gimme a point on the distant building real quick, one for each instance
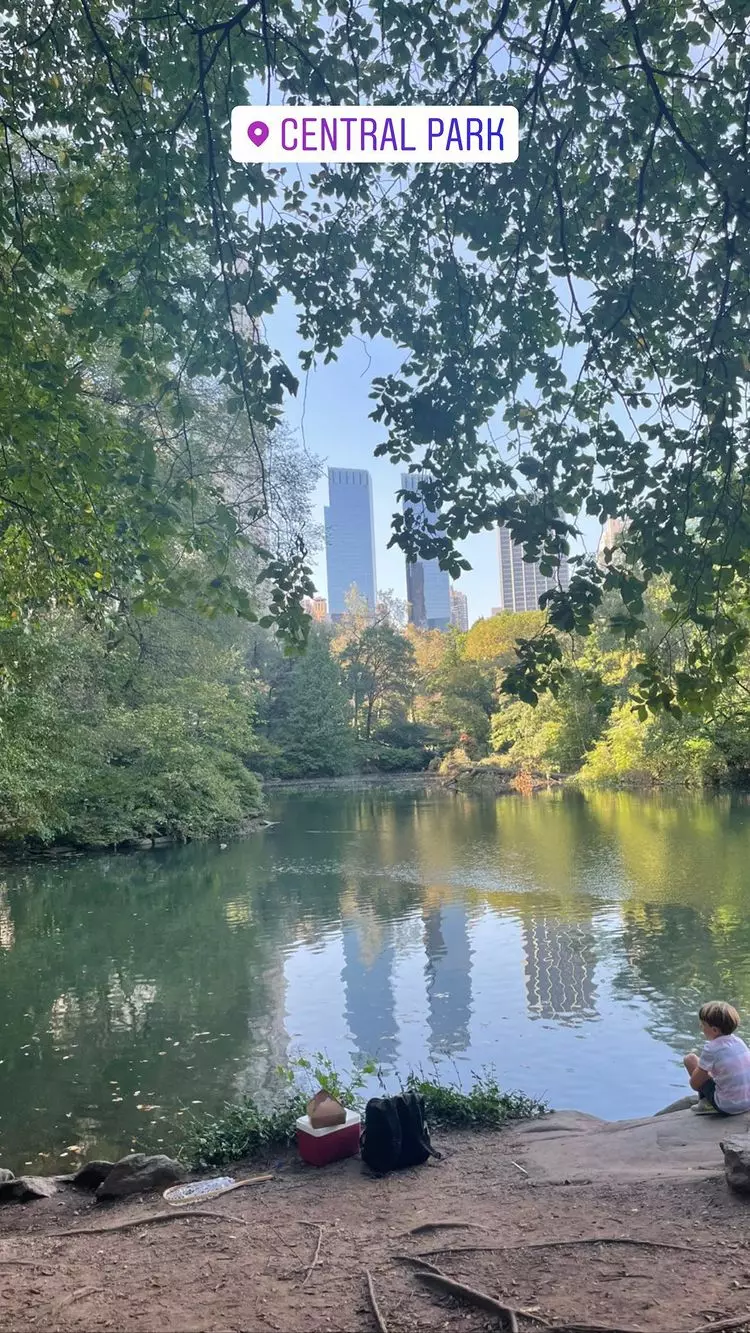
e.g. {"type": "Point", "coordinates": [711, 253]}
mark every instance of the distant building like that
{"type": "Point", "coordinates": [522, 582]}
{"type": "Point", "coordinates": [350, 538]}
{"type": "Point", "coordinates": [459, 610]}
{"type": "Point", "coordinates": [317, 607]}
{"type": "Point", "coordinates": [428, 586]}
{"type": "Point", "coordinates": [610, 539]}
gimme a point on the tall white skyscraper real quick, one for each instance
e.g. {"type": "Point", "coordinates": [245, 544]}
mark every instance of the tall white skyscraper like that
{"type": "Point", "coordinates": [459, 610]}
{"type": "Point", "coordinates": [521, 583]}
{"type": "Point", "coordinates": [350, 538]}
{"type": "Point", "coordinates": [428, 587]}
{"type": "Point", "coordinates": [611, 537]}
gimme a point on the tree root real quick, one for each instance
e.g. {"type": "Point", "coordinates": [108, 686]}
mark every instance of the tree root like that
{"type": "Point", "coordinates": [441, 1282]}
{"type": "Point", "coordinates": [80, 1294]}
{"type": "Point", "coordinates": [317, 1250]}
{"type": "Point", "coordinates": [442, 1226]}
{"type": "Point", "coordinates": [26, 1263]}
{"type": "Point", "coordinates": [144, 1221]}
{"type": "Point", "coordinates": [417, 1262]}
{"type": "Point", "coordinates": [379, 1320]}
{"type": "Point", "coordinates": [557, 1244]}
{"type": "Point", "coordinates": [472, 1296]}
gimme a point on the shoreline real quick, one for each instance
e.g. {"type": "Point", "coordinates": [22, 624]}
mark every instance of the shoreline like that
{"type": "Point", "coordinates": [476, 779]}
{"type": "Point", "coordinates": [570, 1219]}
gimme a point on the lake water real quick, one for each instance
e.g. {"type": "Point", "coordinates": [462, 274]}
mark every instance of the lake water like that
{"type": "Point", "coordinates": [565, 940]}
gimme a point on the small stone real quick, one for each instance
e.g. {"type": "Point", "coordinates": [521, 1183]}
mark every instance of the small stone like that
{"type": "Point", "coordinates": [737, 1163]}
{"type": "Point", "coordinates": [136, 1173]}
{"type": "Point", "coordinates": [26, 1188]}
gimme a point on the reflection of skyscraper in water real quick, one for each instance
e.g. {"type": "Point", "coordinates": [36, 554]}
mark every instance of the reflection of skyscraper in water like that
{"type": "Point", "coordinates": [268, 1041]}
{"type": "Point", "coordinates": [367, 975]}
{"type": "Point", "coordinates": [560, 962]}
{"type": "Point", "coordinates": [448, 974]}
{"type": "Point", "coordinates": [7, 933]}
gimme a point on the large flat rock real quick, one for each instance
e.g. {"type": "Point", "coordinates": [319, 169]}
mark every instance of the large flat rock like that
{"type": "Point", "coordinates": [569, 1145]}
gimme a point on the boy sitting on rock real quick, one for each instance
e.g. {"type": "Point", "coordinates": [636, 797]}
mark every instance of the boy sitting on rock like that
{"type": "Point", "coordinates": [721, 1073]}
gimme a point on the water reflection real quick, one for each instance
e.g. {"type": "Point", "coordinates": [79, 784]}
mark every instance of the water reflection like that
{"type": "Point", "coordinates": [560, 963]}
{"type": "Point", "coordinates": [542, 935]}
{"type": "Point", "coordinates": [448, 978]}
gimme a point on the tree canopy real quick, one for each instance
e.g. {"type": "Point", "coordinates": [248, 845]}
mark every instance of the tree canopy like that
{"type": "Point", "coordinates": [573, 327]}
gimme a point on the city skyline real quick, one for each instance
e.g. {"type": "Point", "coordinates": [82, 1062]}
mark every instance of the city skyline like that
{"type": "Point", "coordinates": [350, 549]}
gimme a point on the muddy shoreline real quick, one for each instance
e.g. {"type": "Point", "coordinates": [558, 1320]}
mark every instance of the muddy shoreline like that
{"type": "Point", "coordinates": [653, 1252]}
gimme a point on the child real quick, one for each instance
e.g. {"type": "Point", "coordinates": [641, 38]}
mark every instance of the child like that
{"type": "Point", "coordinates": [721, 1074]}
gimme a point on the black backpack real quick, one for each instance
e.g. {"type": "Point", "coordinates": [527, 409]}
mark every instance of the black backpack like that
{"type": "Point", "coordinates": [395, 1135]}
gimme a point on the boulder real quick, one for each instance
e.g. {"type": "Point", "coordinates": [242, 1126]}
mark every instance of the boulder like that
{"type": "Point", "coordinates": [5, 1174]}
{"type": "Point", "coordinates": [91, 1175]}
{"type": "Point", "coordinates": [737, 1163]}
{"type": "Point", "coordinates": [26, 1188]}
{"type": "Point", "coordinates": [136, 1173]}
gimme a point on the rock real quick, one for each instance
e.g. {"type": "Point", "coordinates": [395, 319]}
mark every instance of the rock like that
{"type": "Point", "coordinates": [91, 1175]}
{"type": "Point", "coordinates": [681, 1105]}
{"type": "Point", "coordinates": [26, 1188]}
{"type": "Point", "coordinates": [137, 1173]}
{"type": "Point", "coordinates": [737, 1163]}
{"type": "Point", "coordinates": [5, 1174]}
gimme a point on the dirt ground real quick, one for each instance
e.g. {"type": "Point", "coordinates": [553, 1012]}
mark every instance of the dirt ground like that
{"type": "Point", "coordinates": [250, 1267]}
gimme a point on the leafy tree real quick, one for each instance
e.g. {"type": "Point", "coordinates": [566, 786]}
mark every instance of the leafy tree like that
{"type": "Point", "coordinates": [462, 697]}
{"type": "Point", "coordinates": [556, 734]}
{"type": "Point", "coordinates": [494, 640]}
{"type": "Point", "coordinates": [603, 308]}
{"type": "Point", "coordinates": [308, 715]}
{"type": "Point", "coordinates": [379, 667]}
{"type": "Point", "coordinates": [104, 742]}
{"type": "Point", "coordinates": [658, 749]}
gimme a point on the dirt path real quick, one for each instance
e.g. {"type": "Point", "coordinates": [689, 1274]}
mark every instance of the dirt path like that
{"type": "Point", "coordinates": [252, 1271]}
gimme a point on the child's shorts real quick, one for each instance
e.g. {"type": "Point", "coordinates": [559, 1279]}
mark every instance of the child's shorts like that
{"type": "Point", "coordinates": [708, 1094]}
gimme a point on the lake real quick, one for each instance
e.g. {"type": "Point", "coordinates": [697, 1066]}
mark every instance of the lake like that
{"type": "Point", "coordinates": [566, 940]}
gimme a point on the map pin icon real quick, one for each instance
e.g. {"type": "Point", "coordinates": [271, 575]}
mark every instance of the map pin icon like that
{"type": "Point", "coordinates": [258, 132]}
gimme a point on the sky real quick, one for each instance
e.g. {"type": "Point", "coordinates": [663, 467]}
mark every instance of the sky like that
{"type": "Point", "coordinates": [330, 415]}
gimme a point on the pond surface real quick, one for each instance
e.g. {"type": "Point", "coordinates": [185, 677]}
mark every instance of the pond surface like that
{"type": "Point", "coordinates": [565, 940]}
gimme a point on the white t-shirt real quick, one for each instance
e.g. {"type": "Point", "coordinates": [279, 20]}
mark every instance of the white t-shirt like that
{"type": "Point", "coordinates": [727, 1060]}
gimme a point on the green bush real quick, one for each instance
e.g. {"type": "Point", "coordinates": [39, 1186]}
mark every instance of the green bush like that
{"type": "Point", "coordinates": [661, 749]}
{"type": "Point", "coordinates": [392, 759]}
{"type": "Point", "coordinates": [243, 1130]}
{"type": "Point", "coordinates": [483, 1106]}
{"type": "Point", "coordinates": [110, 742]}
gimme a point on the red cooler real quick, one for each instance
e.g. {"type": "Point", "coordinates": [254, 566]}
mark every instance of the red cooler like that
{"type": "Point", "coordinates": [318, 1147]}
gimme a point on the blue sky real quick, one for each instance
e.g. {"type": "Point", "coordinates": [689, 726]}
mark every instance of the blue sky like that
{"type": "Point", "coordinates": [331, 415]}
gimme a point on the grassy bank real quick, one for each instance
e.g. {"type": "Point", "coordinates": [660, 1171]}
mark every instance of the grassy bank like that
{"type": "Point", "coordinates": [243, 1130]}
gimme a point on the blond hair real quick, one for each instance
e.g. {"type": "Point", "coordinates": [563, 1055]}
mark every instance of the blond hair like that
{"type": "Point", "coordinates": [719, 1014]}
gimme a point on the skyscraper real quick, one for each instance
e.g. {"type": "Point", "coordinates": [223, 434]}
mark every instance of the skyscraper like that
{"type": "Point", "coordinates": [459, 610]}
{"type": "Point", "coordinates": [611, 537]}
{"type": "Point", "coordinates": [522, 583]}
{"type": "Point", "coordinates": [350, 538]}
{"type": "Point", "coordinates": [427, 585]}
